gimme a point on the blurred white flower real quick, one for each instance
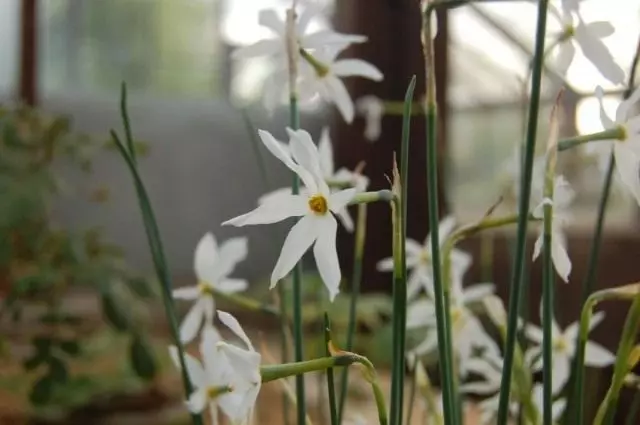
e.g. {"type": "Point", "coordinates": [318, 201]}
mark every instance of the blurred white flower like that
{"type": "Point", "coordinates": [371, 108]}
{"type": "Point", "coordinates": [321, 74]}
{"type": "Point", "coordinates": [588, 37]}
{"type": "Point", "coordinates": [342, 176]}
{"type": "Point", "coordinates": [228, 377]}
{"type": "Point", "coordinates": [557, 405]}
{"type": "Point", "coordinates": [212, 266]}
{"type": "Point", "coordinates": [562, 197]}
{"type": "Point", "coordinates": [418, 258]}
{"type": "Point", "coordinates": [468, 333]}
{"type": "Point", "coordinates": [627, 151]}
{"type": "Point", "coordinates": [317, 226]}
{"type": "Point", "coordinates": [564, 348]}
{"type": "Point", "coordinates": [510, 176]}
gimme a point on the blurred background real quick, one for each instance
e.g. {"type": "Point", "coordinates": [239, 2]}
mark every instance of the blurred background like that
{"type": "Point", "coordinates": [195, 111]}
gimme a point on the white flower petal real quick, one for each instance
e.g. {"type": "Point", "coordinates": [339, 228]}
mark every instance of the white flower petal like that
{"type": "Point", "coordinates": [478, 387]}
{"type": "Point", "coordinates": [194, 368]}
{"type": "Point", "coordinates": [557, 408]}
{"type": "Point", "coordinates": [197, 401]}
{"type": "Point", "coordinates": [346, 220]}
{"type": "Point", "coordinates": [622, 113]}
{"type": "Point", "coordinates": [186, 293]}
{"type": "Point", "coordinates": [297, 242]}
{"type": "Point", "coordinates": [273, 212]}
{"type": "Point", "coordinates": [356, 68]}
{"type": "Point", "coordinates": [628, 166]}
{"type": "Point", "coordinates": [245, 363]}
{"type": "Point", "coordinates": [600, 29]}
{"type": "Point", "coordinates": [325, 151]}
{"type": "Point", "coordinates": [204, 258]}
{"type": "Point", "coordinates": [340, 199]}
{"type": "Point", "coordinates": [414, 284]}
{"type": "Point", "coordinates": [566, 53]}
{"type": "Point", "coordinates": [598, 356]}
{"type": "Point", "coordinates": [336, 92]}
{"type": "Point", "coordinates": [384, 265]}
{"type": "Point", "coordinates": [445, 227]}
{"type": "Point", "coordinates": [478, 291]}
{"type": "Point", "coordinates": [560, 372]}
{"type": "Point", "coordinates": [604, 117]}
{"type": "Point", "coordinates": [326, 255]}
{"type": "Point", "coordinates": [269, 18]}
{"type": "Point", "coordinates": [231, 252]}
{"type": "Point", "coordinates": [372, 109]}
{"type": "Point", "coordinates": [234, 326]}
{"type": "Point", "coordinates": [278, 149]}
{"type": "Point", "coordinates": [421, 313]}
{"type": "Point", "coordinates": [328, 37]}
{"type": "Point", "coordinates": [192, 321]}
{"type": "Point", "coordinates": [560, 258]}
{"type": "Point", "coordinates": [534, 333]}
{"type": "Point", "coordinates": [537, 247]}
{"type": "Point", "coordinates": [595, 50]}
{"type": "Point", "coordinates": [306, 154]}
{"type": "Point", "coordinates": [230, 286]}
{"type": "Point", "coordinates": [267, 47]}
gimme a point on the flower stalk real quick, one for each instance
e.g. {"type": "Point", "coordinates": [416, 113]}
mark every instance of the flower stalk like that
{"type": "Point", "coordinates": [523, 210]}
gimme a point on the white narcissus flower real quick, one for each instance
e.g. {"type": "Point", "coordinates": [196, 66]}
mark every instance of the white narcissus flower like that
{"type": "Point", "coordinates": [588, 37]}
{"type": "Point", "coordinates": [418, 259]}
{"type": "Point", "coordinates": [564, 348]}
{"type": "Point", "coordinates": [342, 176]}
{"type": "Point", "coordinates": [228, 377]}
{"type": "Point", "coordinates": [626, 151]}
{"type": "Point", "coordinates": [212, 266]}
{"type": "Point", "coordinates": [321, 74]}
{"type": "Point", "coordinates": [562, 197]}
{"type": "Point", "coordinates": [371, 108]}
{"type": "Point", "coordinates": [316, 207]}
{"type": "Point", "coordinates": [468, 333]}
{"type": "Point", "coordinates": [510, 176]}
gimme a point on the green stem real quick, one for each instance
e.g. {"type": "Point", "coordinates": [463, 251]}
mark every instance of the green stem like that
{"type": "Point", "coordinates": [330, 384]}
{"type": "Point", "coordinates": [443, 328]}
{"type": "Point", "coordinates": [412, 398]}
{"type": "Point", "coordinates": [399, 210]}
{"type": "Point", "coordinates": [633, 410]}
{"type": "Point", "coordinates": [159, 261]}
{"type": "Point", "coordinates": [369, 197]}
{"type": "Point", "coordinates": [360, 238]}
{"type": "Point", "coordinates": [524, 201]}
{"type": "Point", "coordinates": [612, 134]}
{"type": "Point", "coordinates": [547, 315]}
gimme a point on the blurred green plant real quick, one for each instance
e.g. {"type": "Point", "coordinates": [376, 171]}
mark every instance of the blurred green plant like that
{"type": "Point", "coordinates": [41, 263]}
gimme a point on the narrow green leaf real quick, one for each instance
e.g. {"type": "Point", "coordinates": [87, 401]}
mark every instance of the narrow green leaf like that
{"type": "Point", "coordinates": [58, 370]}
{"type": "Point", "coordinates": [142, 359]}
{"type": "Point", "coordinates": [42, 390]}
{"type": "Point", "coordinates": [113, 312]}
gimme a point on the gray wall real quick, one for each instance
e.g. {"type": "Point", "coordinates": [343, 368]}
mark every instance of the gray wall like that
{"type": "Point", "coordinates": [201, 170]}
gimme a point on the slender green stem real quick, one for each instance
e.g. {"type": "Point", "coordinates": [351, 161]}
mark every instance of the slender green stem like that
{"type": "Point", "coordinates": [632, 416]}
{"type": "Point", "coordinates": [360, 238]}
{"type": "Point", "coordinates": [443, 328]}
{"type": "Point", "coordinates": [612, 134]}
{"type": "Point", "coordinates": [547, 318]}
{"type": "Point", "coordinates": [400, 266]}
{"type": "Point", "coordinates": [577, 394]}
{"type": "Point", "coordinates": [369, 197]}
{"type": "Point", "coordinates": [333, 411]}
{"type": "Point", "coordinates": [412, 398]}
{"type": "Point", "coordinates": [248, 303]}
{"type": "Point", "coordinates": [524, 201]}
{"type": "Point", "coordinates": [159, 262]}
{"type": "Point", "coordinates": [124, 114]}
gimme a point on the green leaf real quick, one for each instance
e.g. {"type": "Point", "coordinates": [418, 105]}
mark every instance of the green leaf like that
{"type": "Point", "coordinates": [142, 360]}
{"type": "Point", "coordinates": [42, 390]}
{"type": "Point", "coordinates": [42, 344]}
{"type": "Point", "coordinates": [113, 312]}
{"type": "Point", "coordinates": [34, 361]}
{"type": "Point", "coordinates": [70, 347]}
{"type": "Point", "coordinates": [58, 370]}
{"type": "Point", "coordinates": [140, 286]}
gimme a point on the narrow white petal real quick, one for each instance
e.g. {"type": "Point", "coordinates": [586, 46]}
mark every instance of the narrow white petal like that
{"type": "Point", "coordinates": [245, 363]}
{"type": "Point", "coordinates": [478, 291]}
{"type": "Point", "coordinates": [560, 258]}
{"type": "Point", "coordinates": [208, 307]}
{"type": "Point", "coordinates": [571, 332]}
{"type": "Point", "coordinates": [326, 255]}
{"type": "Point", "coordinates": [413, 247]}
{"type": "Point", "coordinates": [421, 313]}
{"type": "Point", "coordinates": [478, 387]}
{"type": "Point", "coordinates": [346, 220]}
{"type": "Point", "coordinates": [537, 247]}
{"type": "Point", "coordinates": [234, 326]}
{"type": "Point", "coordinates": [339, 200]}
{"type": "Point", "coordinates": [204, 258]}
{"type": "Point", "coordinates": [600, 29]}
{"type": "Point", "coordinates": [273, 212]}
{"type": "Point", "coordinates": [372, 109]}
{"type": "Point", "coordinates": [560, 372]}
{"type": "Point", "coordinates": [445, 227]}
{"type": "Point", "coordinates": [622, 114]}
{"type": "Point", "coordinates": [267, 47]}
{"type": "Point", "coordinates": [297, 242]}
{"type": "Point", "coordinates": [338, 94]}
{"type": "Point", "coordinates": [534, 333]}
{"type": "Point", "coordinates": [305, 152]}
{"type": "Point", "coordinates": [384, 265]}
{"type": "Point", "coordinates": [186, 293]}
{"type": "Point", "coordinates": [557, 408]}
{"type": "Point", "coordinates": [414, 284]}
{"type": "Point", "coordinates": [628, 166]}
{"type": "Point", "coordinates": [192, 321]}
{"type": "Point", "coordinates": [598, 356]}
{"type": "Point", "coordinates": [197, 401]}
{"type": "Point", "coordinates": [604, 117]}
{"type": "Point", "coordinates": [194, 368]}
{"type": "Point", "coordinates": [595, 50]}
{"type": "Point", "coordinates": [231, 252]}
{"type": "Point", "coordinates": [356, 68]}
{"type": "Point", "coordinates": [269, 18]}
{"type": "Point", "coordinates": [277, 149]}
{"type": "Point", "coordinates": [328, 37]}
{"type": "Point", "coordinates": [325, 151]}
{"type": "Point", "coordinates": [230, 286]}
{"type": "Point", "coordinates": [566, 53]}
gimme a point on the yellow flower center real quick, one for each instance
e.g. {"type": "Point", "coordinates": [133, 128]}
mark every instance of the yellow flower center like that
{"type": "Point", "coordinates": [205, 288]}
{"type": "Point", "coordinates": [318, 204]}
{"type": "Point", "coordinates": [568, 32]}
{"type": "Point", "coordinates": [623, 134]}
{"type": "Point", "coordinates": [215, 392]}
{"type": "Point", "coordinates": [559, 344]}
{"type": "Point", "coordinates": [425, 257]}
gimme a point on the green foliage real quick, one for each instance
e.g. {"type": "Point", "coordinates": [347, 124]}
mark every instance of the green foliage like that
{"type": "Point", "coordinates": [41, 263]}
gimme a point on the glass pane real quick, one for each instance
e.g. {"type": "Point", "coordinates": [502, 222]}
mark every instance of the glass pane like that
{"type": "Point", "coordinates": [160, 47]}
{"type": "Point", "coordinates": [490, 52]}
{"type": "Point", "coordinates": [9, 47]}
